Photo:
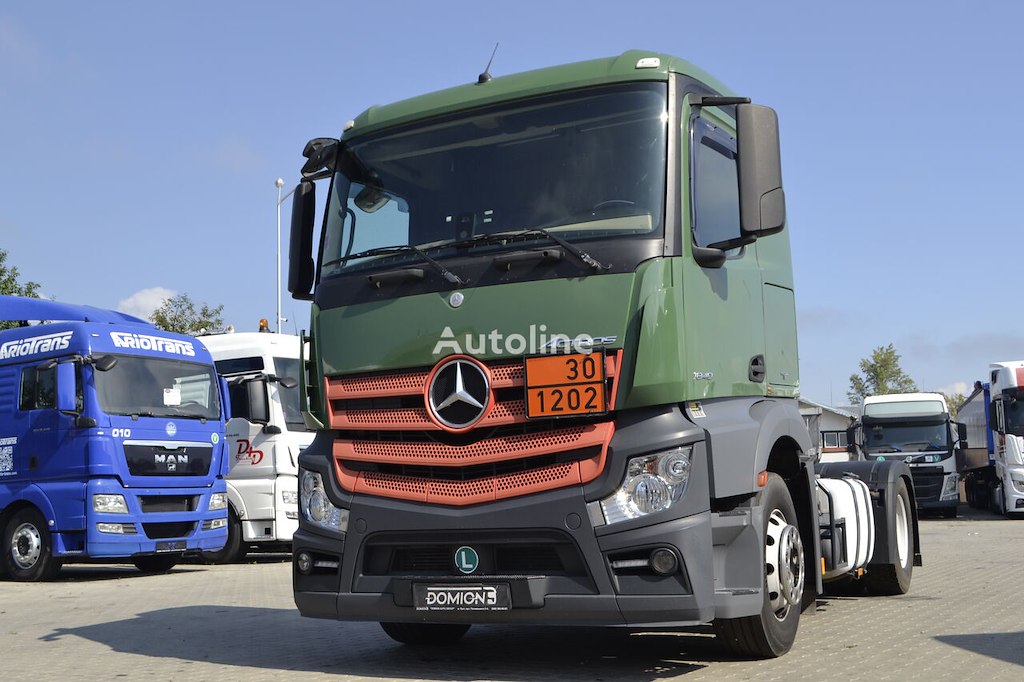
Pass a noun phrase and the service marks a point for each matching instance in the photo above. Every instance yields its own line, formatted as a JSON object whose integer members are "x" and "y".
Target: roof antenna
{"x": 486, "y": 75}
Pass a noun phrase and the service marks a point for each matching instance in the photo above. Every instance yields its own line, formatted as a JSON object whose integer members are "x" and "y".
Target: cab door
{"x": 724, "y": 311}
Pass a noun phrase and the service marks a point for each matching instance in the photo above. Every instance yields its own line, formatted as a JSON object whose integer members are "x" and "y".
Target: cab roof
{"x": 23, "y": 309}
{"x": 633, "y": 65}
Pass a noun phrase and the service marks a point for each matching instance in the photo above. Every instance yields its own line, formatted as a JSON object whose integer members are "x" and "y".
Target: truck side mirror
{"x": 851, "y": 439}
{"x": 300, "y": 252}
{"x": 961, "y": 434}
{"x": 286, "y": 382}
{"x": 67, "y": 388}
{"x": 762, "y": 200}
{"x": 259, "y": 407}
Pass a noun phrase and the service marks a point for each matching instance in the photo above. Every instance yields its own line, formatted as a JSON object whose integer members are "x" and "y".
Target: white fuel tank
{"x": 847, "y": 525}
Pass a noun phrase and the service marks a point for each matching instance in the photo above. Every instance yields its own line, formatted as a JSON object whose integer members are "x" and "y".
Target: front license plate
{"x": 564, "y": 385}
{"x": 461, "y": 597}
{"x": 175, "y": 546}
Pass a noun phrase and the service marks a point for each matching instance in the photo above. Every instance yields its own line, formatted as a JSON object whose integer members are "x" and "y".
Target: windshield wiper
{"x": 500, "y": 237}
{"x": 405, "y": 248}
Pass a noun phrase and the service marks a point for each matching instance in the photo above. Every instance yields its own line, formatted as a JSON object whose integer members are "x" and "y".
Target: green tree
{"x": 179, "y": 314}
{"x": 954, "y": 402}
{"x": 10, "y": 285}
{"x": 880, "y": 374}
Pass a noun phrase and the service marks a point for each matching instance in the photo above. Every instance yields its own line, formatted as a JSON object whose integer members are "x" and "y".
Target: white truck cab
{"x": 264, "y": 434}
{"x": 915, "y": 428}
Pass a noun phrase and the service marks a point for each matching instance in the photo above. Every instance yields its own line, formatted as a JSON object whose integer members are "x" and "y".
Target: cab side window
{"x": 716, "y": 195}
{"x": 38, "y": 388}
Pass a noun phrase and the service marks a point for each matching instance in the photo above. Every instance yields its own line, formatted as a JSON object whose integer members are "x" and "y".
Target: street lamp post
{"x": 279, "y": 183}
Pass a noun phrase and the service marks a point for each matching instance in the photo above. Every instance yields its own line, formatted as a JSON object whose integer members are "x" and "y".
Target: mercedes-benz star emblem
{"x": 459, "y": 393}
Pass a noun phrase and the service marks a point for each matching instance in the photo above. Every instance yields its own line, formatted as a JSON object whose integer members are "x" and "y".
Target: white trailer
{"x": 993, "y": 463}
{"x": 265, "y": 435}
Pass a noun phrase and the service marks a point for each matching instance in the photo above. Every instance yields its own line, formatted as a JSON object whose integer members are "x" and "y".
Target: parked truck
{"x": 553, "y": 369}
{"x": 993, "y": 462}
{"x": 918, "y": 429}
{"x": 111, "y": 441}
{"x": 265, "y": 434}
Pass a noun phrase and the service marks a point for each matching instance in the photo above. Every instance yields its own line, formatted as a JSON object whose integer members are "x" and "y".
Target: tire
{"x": 431, "y": 634}
{"x": 233, "y": 550}
{"x": 772, "y": 632}
{"x": 28, "y": 548}
{"x": 894, "y": 578}
{"x": 156, "y": 563}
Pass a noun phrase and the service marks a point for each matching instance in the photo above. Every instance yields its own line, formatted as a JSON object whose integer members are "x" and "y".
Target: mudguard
{"x": 881, "y": 479}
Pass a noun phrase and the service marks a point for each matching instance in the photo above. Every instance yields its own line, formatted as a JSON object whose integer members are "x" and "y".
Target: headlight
{"x": 218, "y": 501}
{"x": 653, "y": 484}
{"x": 109, "y": 504}
{"x": 289, "y": 497}
{"x": 315, "y": 505}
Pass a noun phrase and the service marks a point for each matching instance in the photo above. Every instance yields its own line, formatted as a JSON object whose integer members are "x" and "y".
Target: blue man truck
{"x": 111, "y": 441}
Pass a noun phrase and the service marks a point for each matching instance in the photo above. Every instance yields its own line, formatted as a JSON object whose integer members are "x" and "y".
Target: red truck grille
{"x": 390, "y": 447}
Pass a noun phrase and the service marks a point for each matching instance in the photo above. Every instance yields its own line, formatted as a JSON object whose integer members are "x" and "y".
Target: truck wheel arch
{"x": 31, "y": 497}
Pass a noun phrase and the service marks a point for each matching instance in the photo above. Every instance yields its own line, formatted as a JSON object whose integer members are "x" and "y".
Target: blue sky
{"x": 141, "y": 141}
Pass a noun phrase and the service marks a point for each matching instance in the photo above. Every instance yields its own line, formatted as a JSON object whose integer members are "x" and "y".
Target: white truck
{"x": 265, "y": 434}
{"x": 993, "y": 463}
{"x": 915, "y": 428}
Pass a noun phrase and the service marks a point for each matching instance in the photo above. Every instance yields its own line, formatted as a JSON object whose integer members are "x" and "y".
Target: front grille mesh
{"x": 389, "y": 446}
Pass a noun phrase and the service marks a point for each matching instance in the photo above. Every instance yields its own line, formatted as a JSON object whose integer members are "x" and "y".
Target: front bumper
{"x": 559, "y": 568}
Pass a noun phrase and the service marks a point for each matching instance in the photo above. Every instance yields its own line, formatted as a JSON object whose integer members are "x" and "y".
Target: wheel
{"x": 156, "y": 563}
{"x": 425, "y": 633}
{"x": 771, "y": 633}
{"x": 894, "y": 578}
{"x": 27, "y": 548}
{"x": 233, "y": 549}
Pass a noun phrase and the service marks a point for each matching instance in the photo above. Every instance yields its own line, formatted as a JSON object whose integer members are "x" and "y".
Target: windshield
{"x": 585, "y": 164}
{"x": 887, "y": 438}
{"x": 1013, "y": 412}
{"x": 289, "y": 367}
{"x": 153, "y": 387}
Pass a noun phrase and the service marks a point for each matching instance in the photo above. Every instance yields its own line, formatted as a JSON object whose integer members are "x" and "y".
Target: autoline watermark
{"x": 537, "y": 341}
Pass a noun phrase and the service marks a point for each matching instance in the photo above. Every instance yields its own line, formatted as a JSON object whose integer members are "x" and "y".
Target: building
{"x": 827, "y": 426}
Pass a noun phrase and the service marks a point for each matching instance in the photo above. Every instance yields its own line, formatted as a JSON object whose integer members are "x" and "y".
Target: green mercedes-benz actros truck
{"x": 553, "y": 368}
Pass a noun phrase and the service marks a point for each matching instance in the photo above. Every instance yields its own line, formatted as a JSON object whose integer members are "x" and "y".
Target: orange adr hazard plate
{"x": 564, "y": 385}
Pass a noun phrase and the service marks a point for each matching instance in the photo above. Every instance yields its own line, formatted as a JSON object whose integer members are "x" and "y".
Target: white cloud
{"x": 960, "y": 387}
{"x": 143, "y": 303}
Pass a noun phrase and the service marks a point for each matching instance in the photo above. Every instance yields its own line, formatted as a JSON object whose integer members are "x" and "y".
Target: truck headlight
{"x": 316, "y": 507}
{"x": 218, "y": 501}
{"x": 109, "y": 504}
{"x": 653, "y": 483}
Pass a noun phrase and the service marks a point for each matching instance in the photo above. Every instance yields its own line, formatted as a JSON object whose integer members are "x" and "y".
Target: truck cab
{"x": 265, "y": 434}
{"x": 993, "y": 468}
{"x": 553, "y": 366}
{"x": 915, "y": 428}
{"x": 111, "y": 442}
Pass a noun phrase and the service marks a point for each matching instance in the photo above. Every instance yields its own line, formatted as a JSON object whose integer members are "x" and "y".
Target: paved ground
{"x": 962, "y": 620}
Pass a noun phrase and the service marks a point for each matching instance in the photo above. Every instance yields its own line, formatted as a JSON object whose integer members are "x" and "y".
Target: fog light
{"x": 110, "y": 528}
{"x": 304, "y": 563}
{"x": 663, "y": 561}
{"x": 218, "y": 523}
